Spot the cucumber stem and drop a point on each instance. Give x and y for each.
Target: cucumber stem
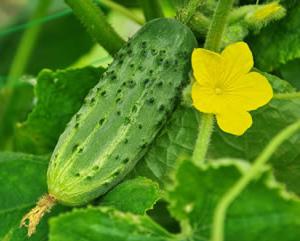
(33, 218)
(203, 139)
(95, 22)
(151, 9)
(212, 42)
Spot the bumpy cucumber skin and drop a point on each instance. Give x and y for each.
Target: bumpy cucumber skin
(122, 114)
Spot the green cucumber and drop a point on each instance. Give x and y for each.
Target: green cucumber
(122, 114)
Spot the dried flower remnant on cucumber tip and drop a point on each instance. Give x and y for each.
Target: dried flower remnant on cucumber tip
(225, 87)
(32, 219)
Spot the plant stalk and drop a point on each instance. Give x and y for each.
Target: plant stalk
(213, 42)
(203, 138)
(151, 9)
(256, 169)
(218, 24)
(95, 22)
(287, 96)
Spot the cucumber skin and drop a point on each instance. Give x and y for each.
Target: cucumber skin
(122, 114)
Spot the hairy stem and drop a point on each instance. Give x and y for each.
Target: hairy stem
(203, 139)
(256, 169)
(287, 96)
(213, 42)
(151, 9)
(95, 22)
(218, 24)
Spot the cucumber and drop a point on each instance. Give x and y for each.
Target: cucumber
(122, 114)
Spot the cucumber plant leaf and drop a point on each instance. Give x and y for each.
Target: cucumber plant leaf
(22, 181)
(59, 96)
(105, 223)
(137, 196)
(261, 210)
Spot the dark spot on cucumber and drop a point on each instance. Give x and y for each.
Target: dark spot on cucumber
(117, 157)
(151, 71)
(89, 177)
(116, 173)
(77, 174)
(134, 108)
(101, 121)
(126, 120)
(140, 68)
(76, 125)
(159, 84)
(153, 51)
(80, 150)
(75, 147)
(131, 65)
(146, 81)
(125, 141)
(144, 145)
(161, 108)
(118, 100)
(93, 100)
(150, 100)
(144, 44)
(95, 168)
(140, 126)
(126, 160)
(119, 91)
(77, 116)
(103, 93)
(118, 113)
(130, 83)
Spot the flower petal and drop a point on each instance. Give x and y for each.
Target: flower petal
(250, 91)
(235, 123)
(206, 66)
(238, 60)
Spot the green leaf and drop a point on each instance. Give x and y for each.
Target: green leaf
(59, 96)
(94, 224)
(22, 181)
(137, 196)
(263, 210)
(13, 111)
(279, 42)
(175, 142)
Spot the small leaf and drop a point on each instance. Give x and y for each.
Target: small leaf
(137, 196)
(94, 224)
(59, 96)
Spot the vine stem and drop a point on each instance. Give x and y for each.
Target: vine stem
(256, 169)
(203, 139)
(151, 9)
(287, 96)
(218, 24)
(95, 22)
(213, 42)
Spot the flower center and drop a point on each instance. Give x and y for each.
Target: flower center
(218, 91)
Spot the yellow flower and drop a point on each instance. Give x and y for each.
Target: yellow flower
(225, 87)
